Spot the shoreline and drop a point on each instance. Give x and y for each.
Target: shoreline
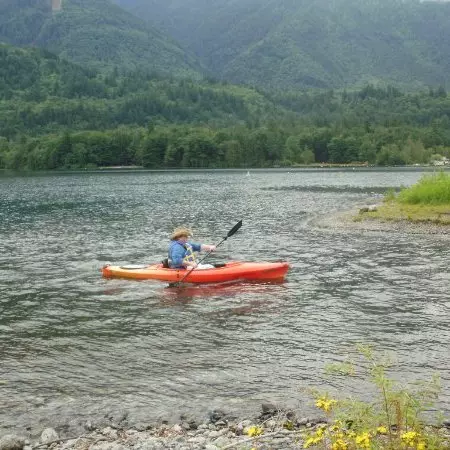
(279, 428)
(272, 429)
(345, 221)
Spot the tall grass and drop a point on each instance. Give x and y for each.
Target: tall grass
(429, 190)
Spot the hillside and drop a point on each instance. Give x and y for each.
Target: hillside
(41, 93)
(55, 114)
(94, 33)
(306, 43)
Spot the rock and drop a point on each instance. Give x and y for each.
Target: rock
(221, 423)
(302, 422)
(150, 443)
(12, 442)
(221, 441)
(370, 208)
(107, 446)
(117, 418)
(199, 440)
(49, 435)
(68, 444)
(269, 409)
(141, 426)
(214, 434)
(177, 429)
(216, 415)
(211, 447)
(110, 433)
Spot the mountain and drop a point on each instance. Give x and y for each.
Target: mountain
(310, 43)
(42, 93)
(96, 33)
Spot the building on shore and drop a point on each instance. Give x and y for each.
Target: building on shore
(56, 5)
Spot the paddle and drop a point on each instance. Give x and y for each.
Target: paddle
(229, 234)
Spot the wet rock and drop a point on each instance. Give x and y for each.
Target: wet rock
(216, 415)
(117, 419)
(12, 442)
(110, 433)
(269, 409)
(49, 435)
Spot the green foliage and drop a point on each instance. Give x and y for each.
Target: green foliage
(430, 190)
(50, 110)
(393, 420)
(320, 44)
(96, 33)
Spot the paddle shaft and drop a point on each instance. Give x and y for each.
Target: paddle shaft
(230, 233)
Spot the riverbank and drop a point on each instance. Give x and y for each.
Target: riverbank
(361, 219)
(272, 429)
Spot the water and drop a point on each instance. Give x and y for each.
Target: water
(74, 345)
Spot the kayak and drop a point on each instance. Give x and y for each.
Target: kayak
(231, 271)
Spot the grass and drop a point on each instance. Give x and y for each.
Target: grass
(429, 190)
(427, 201)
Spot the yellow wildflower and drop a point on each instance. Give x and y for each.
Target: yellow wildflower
(308, 442)
(363, 440)
(254, 431)
(320, 431)
(382, 430)
(325, 403)
(409, 437)
(339, 445)
(421, 445)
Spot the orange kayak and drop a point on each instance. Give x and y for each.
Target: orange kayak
(231, 271)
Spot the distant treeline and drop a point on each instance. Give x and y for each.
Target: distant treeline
(54, 114)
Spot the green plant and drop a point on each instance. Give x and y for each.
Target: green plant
(393, 421)
(389, 196)
(431, 189)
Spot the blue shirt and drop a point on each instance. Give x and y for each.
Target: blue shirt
(177, 252)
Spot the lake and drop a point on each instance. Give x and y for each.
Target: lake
(74, 345)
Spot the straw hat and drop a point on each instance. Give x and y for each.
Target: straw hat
(180, 232)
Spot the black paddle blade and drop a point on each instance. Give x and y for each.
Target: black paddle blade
(234, 229)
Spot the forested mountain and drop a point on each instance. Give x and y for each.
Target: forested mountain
(55, 114)
(96, 33)
(311, 43)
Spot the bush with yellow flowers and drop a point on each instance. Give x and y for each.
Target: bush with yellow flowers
(392, 422)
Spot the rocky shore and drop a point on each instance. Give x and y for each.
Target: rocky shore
(273, 429)
(279, 430)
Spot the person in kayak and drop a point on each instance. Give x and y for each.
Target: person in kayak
(182, 252)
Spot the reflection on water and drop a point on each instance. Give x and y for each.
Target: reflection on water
(75, 345)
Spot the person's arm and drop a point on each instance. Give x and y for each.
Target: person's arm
(202, 247)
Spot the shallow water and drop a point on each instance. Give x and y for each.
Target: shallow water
(74, 345)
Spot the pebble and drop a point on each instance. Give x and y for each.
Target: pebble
(49, 435)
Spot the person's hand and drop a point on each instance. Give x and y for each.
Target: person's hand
(192, 265)
(212, 248)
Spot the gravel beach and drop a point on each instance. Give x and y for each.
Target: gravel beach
(279, 430)
(345, 221)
